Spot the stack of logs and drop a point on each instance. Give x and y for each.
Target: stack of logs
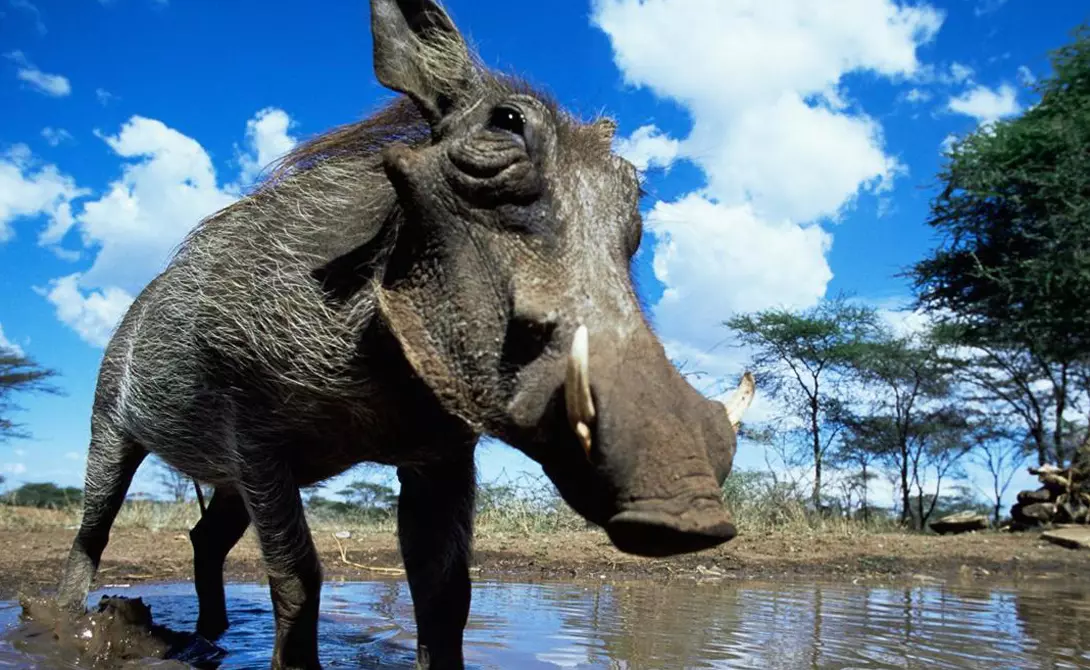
(1064, 497)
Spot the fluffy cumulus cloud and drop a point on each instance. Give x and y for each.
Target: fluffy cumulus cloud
(30, 189)
(92, 314)
(1026, 76)
(31, 11)
(781, 147)
(267, 139)
(55, 136)
(104, 97)
(985, 104)
(648, 147)
(167, 184)
(8, 345)
(53, 85)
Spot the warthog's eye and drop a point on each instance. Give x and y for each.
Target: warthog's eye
(526, 340)
(508, 119)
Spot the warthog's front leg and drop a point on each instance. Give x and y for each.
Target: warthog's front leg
(220, 529)
(435, 529)
(295, 573)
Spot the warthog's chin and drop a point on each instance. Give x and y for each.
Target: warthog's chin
(649, 530)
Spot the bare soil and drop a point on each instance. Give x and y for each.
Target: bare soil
(31, 560)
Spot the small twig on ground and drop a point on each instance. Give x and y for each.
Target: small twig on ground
(372, 568)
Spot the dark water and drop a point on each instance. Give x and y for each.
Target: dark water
(655, 625)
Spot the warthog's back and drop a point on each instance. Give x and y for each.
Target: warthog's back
(241, 321)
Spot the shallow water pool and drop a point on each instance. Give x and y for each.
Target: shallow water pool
(680, 624)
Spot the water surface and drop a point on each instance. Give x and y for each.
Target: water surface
(681, 624)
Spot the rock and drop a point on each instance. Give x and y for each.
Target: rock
(1046, 470)
(1055, 483)
(1072, 512)
(1072, 538)
(962, 522)
(1030, 497)
(1039, 512)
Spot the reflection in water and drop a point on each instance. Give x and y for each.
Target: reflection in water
(672, 625)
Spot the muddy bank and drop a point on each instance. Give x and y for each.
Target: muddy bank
(31, 560)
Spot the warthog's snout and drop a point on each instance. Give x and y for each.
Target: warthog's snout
(667, 527)
(653, 452)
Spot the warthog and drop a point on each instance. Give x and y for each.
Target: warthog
(456, 265)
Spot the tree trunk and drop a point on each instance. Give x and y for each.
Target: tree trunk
(1061, 405)
(817, 450)
(866, 510)
(1038, 434)
(906, 492)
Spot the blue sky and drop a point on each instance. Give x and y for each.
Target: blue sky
(790, 148)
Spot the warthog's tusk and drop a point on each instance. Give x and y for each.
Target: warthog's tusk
(739, 401)
(577, 396)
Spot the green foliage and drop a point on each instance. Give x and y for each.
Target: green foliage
(1015, 215)
(370, 496)
(802, 359)
(44, 494)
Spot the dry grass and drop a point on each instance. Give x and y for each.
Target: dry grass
(515, 518)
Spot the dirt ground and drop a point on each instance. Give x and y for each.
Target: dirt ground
(31, 560)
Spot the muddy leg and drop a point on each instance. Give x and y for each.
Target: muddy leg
(218, 531)
(435, 530)
(295, 573)
(111, 463)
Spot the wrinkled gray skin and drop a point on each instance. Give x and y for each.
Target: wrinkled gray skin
(399, 287)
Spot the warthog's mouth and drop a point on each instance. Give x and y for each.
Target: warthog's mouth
(649, 530)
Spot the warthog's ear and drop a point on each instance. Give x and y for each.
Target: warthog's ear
(419, 51)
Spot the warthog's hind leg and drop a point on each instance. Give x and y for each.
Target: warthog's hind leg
(218, 531)
(112, 461)
(435, 530)
(295, 573)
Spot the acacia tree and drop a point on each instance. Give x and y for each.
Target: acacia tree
(908, 422)
(1011, 276)
(19, 374)
(177, 485)
(802, 359)
(1001, 454)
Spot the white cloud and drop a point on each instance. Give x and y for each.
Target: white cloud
(985, 104)
(13, 468)
(960, 72)
(93, 315)
(648, 147)
(947, 143)
(780, 143)
(32, 10)
(53, 85)
(104, 97)
(55, 136)
(1026, 76)
(698, 253)
(8, 345)
(984, 7)
(167, 185)
(917, 95)
(947, 75)
(74, 456)
(267, 139)
(28, 189)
